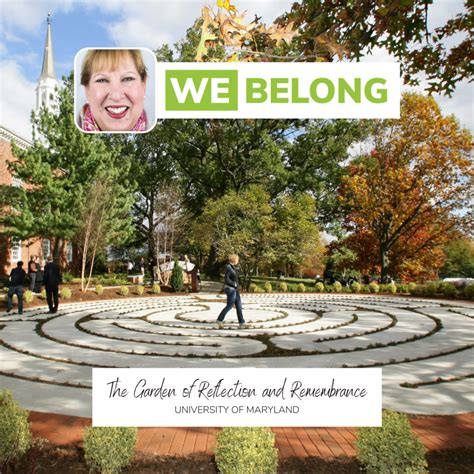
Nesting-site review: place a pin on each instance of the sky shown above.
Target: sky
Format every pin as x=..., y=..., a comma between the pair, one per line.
x=77, y=24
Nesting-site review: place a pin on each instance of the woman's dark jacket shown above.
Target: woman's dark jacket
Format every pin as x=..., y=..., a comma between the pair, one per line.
x=231, y=277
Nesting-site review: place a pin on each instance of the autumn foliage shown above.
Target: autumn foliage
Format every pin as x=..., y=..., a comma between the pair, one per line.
x=404, y=197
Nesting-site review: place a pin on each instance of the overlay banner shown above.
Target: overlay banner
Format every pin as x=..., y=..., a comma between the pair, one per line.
x=278, y=90
x=236, y=397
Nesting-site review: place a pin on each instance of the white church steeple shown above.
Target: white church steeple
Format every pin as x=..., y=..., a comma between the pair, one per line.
x=45, y=92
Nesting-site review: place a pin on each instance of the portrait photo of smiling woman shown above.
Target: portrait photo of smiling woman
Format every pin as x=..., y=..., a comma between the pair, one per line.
x=117, y=93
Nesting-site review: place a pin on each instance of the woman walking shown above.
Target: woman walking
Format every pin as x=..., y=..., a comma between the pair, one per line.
x=231, y=289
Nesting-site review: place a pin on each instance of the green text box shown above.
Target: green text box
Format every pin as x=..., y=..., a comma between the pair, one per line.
x=201, y=90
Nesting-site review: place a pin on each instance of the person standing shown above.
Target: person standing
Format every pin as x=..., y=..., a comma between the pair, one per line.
x=39, y=276
x=32, y=272
x=231, y=289
x=17, y=280
x=51, y=280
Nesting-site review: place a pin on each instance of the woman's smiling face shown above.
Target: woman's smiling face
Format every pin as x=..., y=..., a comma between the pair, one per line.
x=116, y=98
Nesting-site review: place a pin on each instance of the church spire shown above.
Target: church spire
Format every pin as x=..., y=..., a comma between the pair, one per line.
x=47, y=83
x=48, y=63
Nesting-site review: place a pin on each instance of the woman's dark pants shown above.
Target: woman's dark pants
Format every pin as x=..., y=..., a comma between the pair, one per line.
x=233, y=297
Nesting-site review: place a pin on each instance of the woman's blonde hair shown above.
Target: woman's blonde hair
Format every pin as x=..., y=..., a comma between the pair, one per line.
x=109, y=60
x=233, y=258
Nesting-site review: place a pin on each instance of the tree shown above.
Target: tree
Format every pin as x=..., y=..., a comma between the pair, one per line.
x=315, y=163
x=57, y=172
x=401, y=27
x=105, y=219
x=239, y=223
x=261, y=231
x=323, y=30
x=413, y=188
x=296, y=239
x=176, y=277
x=459, y=258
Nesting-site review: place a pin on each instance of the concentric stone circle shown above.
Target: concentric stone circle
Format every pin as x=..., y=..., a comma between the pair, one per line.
x=419, y=343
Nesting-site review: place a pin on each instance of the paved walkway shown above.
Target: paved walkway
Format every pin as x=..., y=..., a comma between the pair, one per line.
x=436, y=432
x=47, y=361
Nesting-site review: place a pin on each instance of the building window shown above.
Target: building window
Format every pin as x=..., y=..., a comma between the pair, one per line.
x=16, y=249
x=69, y=252
x=46, y=246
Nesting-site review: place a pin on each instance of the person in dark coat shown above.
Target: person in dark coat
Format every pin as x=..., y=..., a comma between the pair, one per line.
x=39, y=276
x=51, y=280
x=32, y=269
x=231, y=289
x=17, y=280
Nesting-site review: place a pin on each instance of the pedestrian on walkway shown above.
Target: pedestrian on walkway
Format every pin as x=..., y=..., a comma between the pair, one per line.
x=32, y=272
x=17, y=280
x=52, y=279
x=231, y=289
x=39, y=276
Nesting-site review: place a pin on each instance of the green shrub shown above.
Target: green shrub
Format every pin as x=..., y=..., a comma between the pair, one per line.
x=108, y=450
x=411, y=287
x=112, y=279
x=43, y=294
x=66, y=293
x=449, y=290
x=301, y=288
x=246, y=450
x=252, y=288
x=99, y=289
x=259, y=290
x=468, y=292
x=15, y=435
x=402, y=288
x=418, y=290
x=365, y=289
x=392, y=288
x=356, y=287
x=123, y=291
x=139, y=290
x=337, y=287
x=283, y=286
x=431, y=289
x=319, y=287
x=156, y=289
x=374, y=287
x=267, y=287
x=176, y=281
x=28, y=296
x=67, y=277
x=391, y=448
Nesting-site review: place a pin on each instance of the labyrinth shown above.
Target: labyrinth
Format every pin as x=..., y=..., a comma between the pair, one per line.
x=425, y=347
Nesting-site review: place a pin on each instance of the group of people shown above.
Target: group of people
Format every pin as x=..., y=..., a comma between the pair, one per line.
x=49, y=276
x=35, y=273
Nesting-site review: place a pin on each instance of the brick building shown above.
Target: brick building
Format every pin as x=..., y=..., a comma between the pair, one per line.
x=12, y=249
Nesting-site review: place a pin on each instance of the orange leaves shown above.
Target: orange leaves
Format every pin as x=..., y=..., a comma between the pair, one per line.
x=206, y=35
x=414, y=187
x=282, y=33
x=242, y=40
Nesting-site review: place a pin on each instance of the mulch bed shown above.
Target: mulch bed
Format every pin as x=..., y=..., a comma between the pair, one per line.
x=46, y=458
x=109, y=294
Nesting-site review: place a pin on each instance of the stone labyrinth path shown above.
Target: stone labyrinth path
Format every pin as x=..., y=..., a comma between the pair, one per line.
x=425, y=347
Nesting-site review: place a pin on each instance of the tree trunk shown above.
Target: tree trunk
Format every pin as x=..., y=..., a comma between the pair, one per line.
x=212, y=266
x=384, y=262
